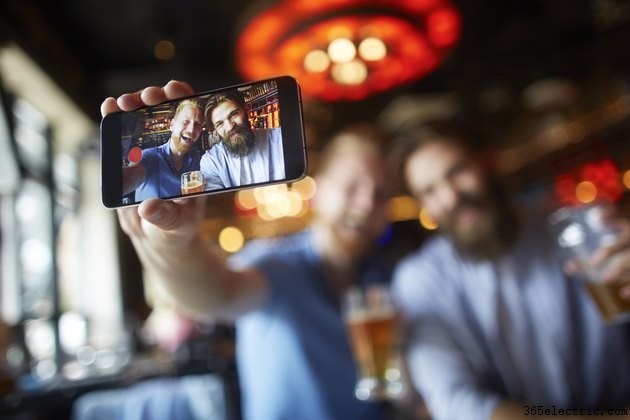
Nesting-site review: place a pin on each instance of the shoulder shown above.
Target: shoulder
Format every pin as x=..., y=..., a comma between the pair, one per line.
x=213, y=156
x=215, y=150
x=152, y=156
x=425, y=274
x=436, y=252
x=151, y=152
x=271, y=134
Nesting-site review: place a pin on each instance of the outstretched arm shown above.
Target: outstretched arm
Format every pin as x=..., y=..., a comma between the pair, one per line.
x=167, y=238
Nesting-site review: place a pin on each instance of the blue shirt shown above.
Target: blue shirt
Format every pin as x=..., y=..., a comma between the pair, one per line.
x=264, y=163
x=293, y=356
x=516, y=328
x=162, y=179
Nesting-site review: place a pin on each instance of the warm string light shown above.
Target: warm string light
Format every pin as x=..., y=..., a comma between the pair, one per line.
x=276, y=201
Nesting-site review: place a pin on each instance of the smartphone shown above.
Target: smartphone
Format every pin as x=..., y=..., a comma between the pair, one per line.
x=226, y=139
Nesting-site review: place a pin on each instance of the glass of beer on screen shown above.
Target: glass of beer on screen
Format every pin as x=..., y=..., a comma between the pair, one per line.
x=373, y=326
x=192, y=182
x=580, y=231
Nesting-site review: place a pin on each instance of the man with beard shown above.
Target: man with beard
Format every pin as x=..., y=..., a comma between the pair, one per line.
x=243, y=156
x=158, y=174
x=497, y=329
x=293, y=355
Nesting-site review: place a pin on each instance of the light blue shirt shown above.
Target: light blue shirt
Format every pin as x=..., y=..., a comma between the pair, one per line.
x=516, y=328
x=264, y=163
x=293, y=356
x=162, y=180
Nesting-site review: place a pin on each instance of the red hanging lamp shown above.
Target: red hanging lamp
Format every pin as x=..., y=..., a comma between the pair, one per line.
x=347, y=49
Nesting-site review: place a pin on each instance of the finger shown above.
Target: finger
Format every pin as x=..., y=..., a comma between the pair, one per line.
x=109, y=106
x=176, y=89
x=617, y=268
x=153, y=95
x=603, y=255
x=129, y=101
x=158, y=212
x=167, y=215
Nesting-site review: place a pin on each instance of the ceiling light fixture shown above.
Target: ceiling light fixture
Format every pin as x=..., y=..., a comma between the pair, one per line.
x=347, y=49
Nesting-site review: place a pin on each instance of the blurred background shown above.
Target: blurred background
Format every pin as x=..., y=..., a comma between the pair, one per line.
x=547, y=81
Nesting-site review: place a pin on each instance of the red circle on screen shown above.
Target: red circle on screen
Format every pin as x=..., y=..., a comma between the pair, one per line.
x=135, y=154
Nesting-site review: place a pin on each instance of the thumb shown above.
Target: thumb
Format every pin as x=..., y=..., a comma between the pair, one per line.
x=174, y=216
x=163, y=214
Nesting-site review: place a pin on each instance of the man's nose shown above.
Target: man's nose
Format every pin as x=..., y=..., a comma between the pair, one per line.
x=228, y=125
x=367, y=200
x=449, y=196
x=190, y=127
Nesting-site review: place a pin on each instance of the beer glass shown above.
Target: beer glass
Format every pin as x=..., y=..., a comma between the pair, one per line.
x=580, y=231
x=192, y=182
x=373, y=326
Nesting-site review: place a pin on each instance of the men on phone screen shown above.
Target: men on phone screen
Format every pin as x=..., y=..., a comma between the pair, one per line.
x=243, y=156
x=158, y=174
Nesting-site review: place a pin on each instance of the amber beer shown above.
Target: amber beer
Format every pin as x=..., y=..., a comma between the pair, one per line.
x=192, y=182
x=372, y=323
x=372, y=337
x=192, y=187
x=580, y=232
x=609, y=302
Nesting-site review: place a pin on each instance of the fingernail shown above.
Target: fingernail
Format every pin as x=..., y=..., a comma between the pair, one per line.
x=158, y=214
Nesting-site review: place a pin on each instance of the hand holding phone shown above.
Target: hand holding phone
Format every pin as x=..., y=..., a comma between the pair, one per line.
x=170, y=222
x=236, y=137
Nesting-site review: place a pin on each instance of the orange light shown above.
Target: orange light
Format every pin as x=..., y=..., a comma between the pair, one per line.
x=599, y=180
x=586, y=192
x=426, y=221
x=385, y=43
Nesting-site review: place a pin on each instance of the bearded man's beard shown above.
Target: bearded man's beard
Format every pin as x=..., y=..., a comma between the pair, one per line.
x=495, y=232
x=240, y=141
x=183, y=143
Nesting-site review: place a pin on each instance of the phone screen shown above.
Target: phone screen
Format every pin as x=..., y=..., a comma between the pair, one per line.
x=221, y=140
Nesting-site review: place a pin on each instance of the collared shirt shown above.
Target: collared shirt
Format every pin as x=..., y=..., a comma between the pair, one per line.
x=517, y=329
x=293, y=356
x=264, y=163
x=162, y=180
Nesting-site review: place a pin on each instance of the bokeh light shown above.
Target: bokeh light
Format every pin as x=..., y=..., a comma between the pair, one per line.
x=164, y=50
x=426, y=220
x=231, y=239
x=586, y=192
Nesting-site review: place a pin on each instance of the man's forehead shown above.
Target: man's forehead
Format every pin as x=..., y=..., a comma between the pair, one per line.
x=356, y=163
x=224, y=107
x=441, y=151
x=191, y=110
x=433, y=161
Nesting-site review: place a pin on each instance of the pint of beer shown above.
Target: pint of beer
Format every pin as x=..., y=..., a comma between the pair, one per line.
x=192, y=182
x=373, y=330
x=581, y=231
